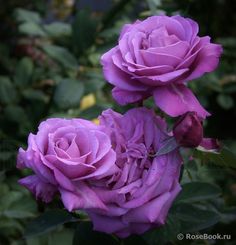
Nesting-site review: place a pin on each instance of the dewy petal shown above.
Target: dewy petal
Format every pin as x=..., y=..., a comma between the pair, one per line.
x=176, y=100
x=124, y=97
x=40, y=189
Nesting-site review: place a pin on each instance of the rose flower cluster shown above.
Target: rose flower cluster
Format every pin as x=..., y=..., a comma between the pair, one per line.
x=117, y=171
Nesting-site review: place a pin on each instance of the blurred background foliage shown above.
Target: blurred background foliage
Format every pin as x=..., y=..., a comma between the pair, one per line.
x=49, y=67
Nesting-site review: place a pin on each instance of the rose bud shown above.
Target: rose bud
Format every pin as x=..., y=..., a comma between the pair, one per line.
x=188, y=130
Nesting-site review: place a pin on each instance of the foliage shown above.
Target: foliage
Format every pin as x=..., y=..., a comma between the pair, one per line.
x=50, y=64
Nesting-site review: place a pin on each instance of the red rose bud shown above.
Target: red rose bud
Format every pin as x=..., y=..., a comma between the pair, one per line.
x=188, y=130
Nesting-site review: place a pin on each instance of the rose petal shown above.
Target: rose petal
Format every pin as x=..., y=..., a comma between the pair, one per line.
x=207, y=61
x=106, y=224
x=190, y=27
x=124, y=97
x=70, y=169
x=149, y=212
x=73, y=150
x=151, y=71
x=210, y=144
x=105, y=167
x=176, y=100
x=178, y=49
x=40, y=189
x=82, y=198
x=116, y=76
x=156, y=59
x=164, y=78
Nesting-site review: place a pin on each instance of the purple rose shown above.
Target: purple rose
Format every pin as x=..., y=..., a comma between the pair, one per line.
x=139, y=196
x=64, y=156
x=188, y=130
x=157, y=57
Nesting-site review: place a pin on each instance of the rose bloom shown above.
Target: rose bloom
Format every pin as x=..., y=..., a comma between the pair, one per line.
x=157, y=57
x=139, y=196
x=64, y=156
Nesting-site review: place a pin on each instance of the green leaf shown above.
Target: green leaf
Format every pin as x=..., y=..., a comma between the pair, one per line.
x=8, y=93
x=224, y=158
x=23, y=72
x=193, y=219
x=18, y=214
x=33, y=94
x=8, y=151
x=58, y=29
x=61, y=55
x=134, y=239
x=15, y=113
x=11, y=225
x=168, y=145
x=93, y=112
x=225, y=101
x=84, y=234
x=8, y=199
x=228, y=214
x=230, y=88
x=83, y=31
x=32, y=29
x=7, y=160
x=47, y=222
x=25, y=207
x=61, y=238
x=93, y=81
x=94, y=58
x=198, y=191
x=40, y=240
x=165, y=233
x=23, y=15
x=68, y=93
